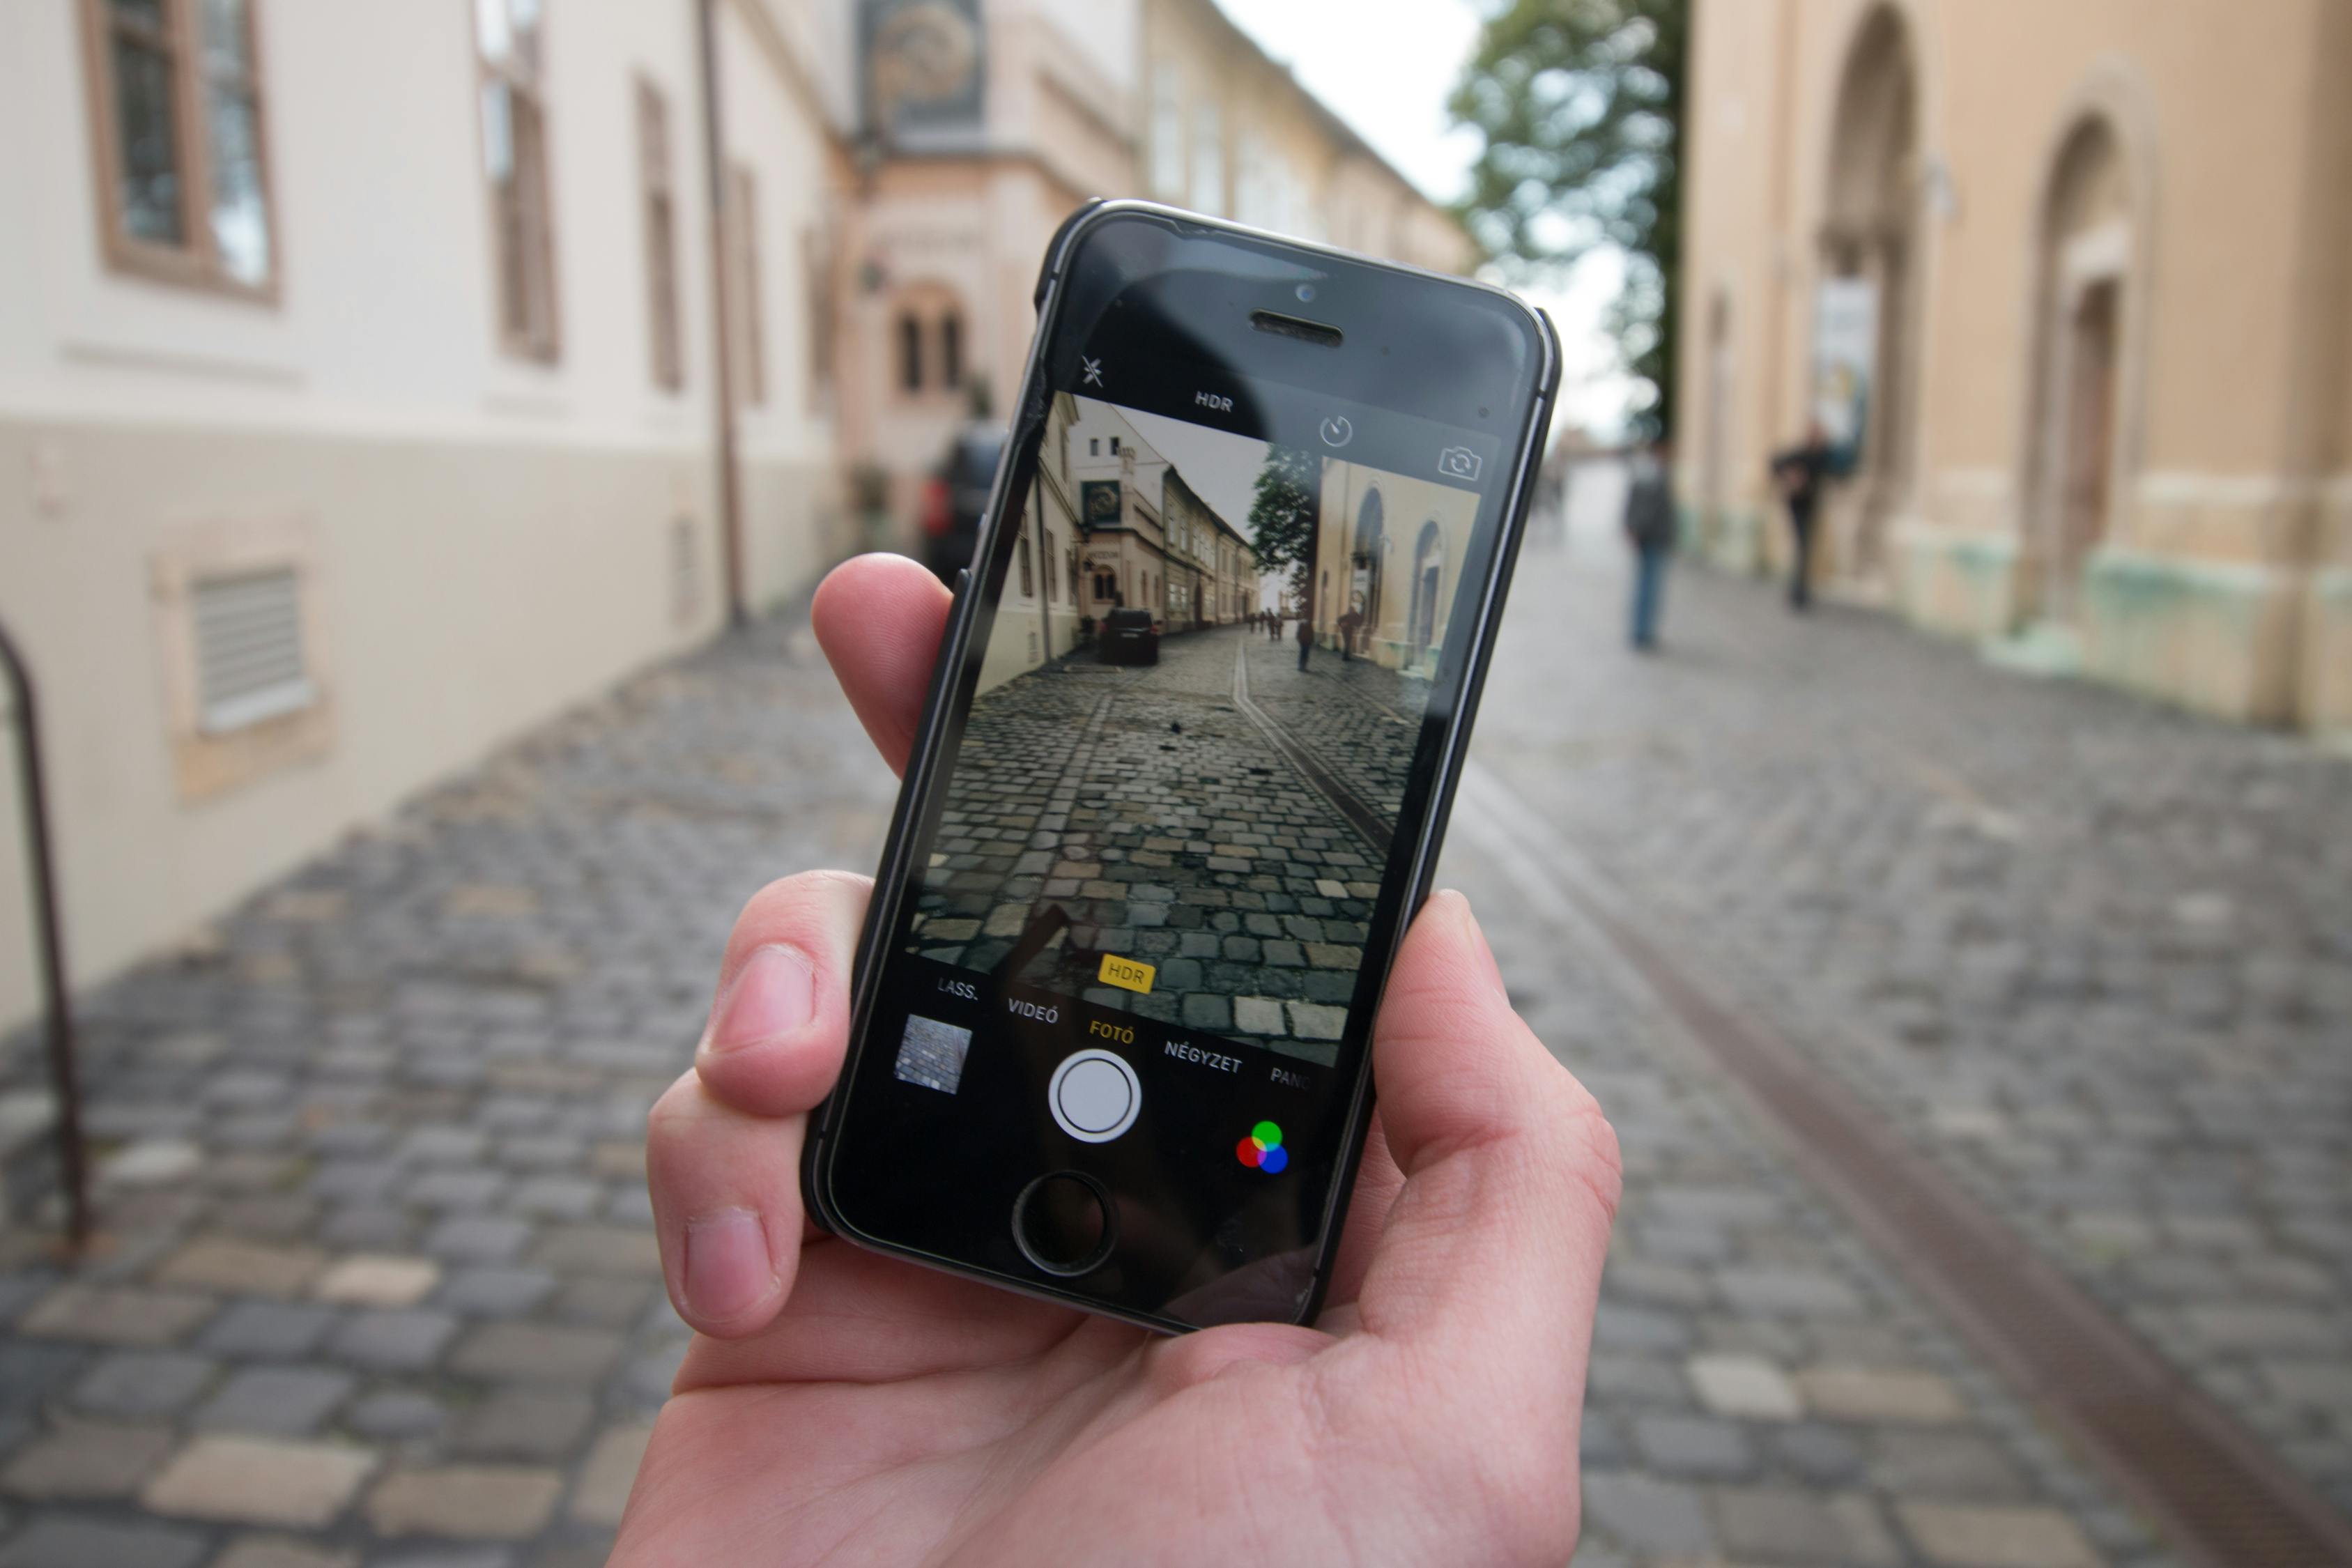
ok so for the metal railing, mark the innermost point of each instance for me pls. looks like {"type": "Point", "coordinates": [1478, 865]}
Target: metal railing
{"type": "Point", "coordinates": [73, 1162]}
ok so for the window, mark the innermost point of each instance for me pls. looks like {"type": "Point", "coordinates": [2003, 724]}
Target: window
{"type": "Point", "coordinates": [1208, 161]}
{"type": "Point", "coordinates": [507, 35]}
{"type": "Point", "coordinates": [660, 199]}
{"type": "Point", "coordinates": [1106, 586]}
{"type": "Point", "coordinates": [184, 182]}
{"type": "Point", "coordinates": [1028, 574]}
{"type": "Point", "coordinates": [950, 349]}
{"type": "Point", "coordinates": [1094, 446]}
{"type": "Point", "coordinates": [750, 341]}
{"type": "Point", "coordinates": [1167, 133]}
{"type": "Point", "coordinates": [1114, 446]}
{"type": "Point", "coordinates": [1047, 560]}
{"type": "Point", "coordinates": [910, 353]}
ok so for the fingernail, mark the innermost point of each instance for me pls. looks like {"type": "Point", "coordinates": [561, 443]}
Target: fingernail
{"type": "Point", "coordinates": [726, 1266]}
{"type": "Point", "coordinates": [773, 994]}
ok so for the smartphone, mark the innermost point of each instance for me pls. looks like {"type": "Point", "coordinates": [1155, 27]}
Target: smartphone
{"type": "Point", "coordinates": [1183, 771]}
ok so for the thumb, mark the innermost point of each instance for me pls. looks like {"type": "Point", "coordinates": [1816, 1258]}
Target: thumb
{"type": "Point", "coordinates": [1511, 1171]}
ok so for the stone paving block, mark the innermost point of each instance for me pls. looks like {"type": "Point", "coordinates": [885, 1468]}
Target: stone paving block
{"type": "Point", "coordinates": [376, 1279]}
{"type": "Point", "coordinates": [232, 1265]}
{"type": "Point", "coordinates": [1872, 1393]}
{"type": "Point", "coordinates": [1649, 1515]}
{"type": "Point", "coordinates": [396, 1413]}
{"type": "Point", "coordinates": [519, 1422]}
{"type": "Point", "coordinates": [117, 1314]}
{"type": "Point", "coordinates": [260, 1480]}
{"type": "Point", "coordinates": [268, 1331]}
{"type": "Point", "coordinates": [1776, 1524]}
{"type": "Point", "coordinates": [477, 1239]}
{"type": "Point", "coordinates": [70, 1541]}
{"type": "Point", "coordinates": [86, 1460]}
{"type": "Point", "coordinates": [598, 1249]}
{"type": "Point", "coordinates": [603, 1302]}
{"type": "Point", "coordinates": [1788, 1291]}
{"type": "Point", "coordinates": [601, 1490]}
{"type": "Point", "coordinates": [495, 1291]}
{"type": "Point", "coordinates": [1746, 1387]}
{"type": "Point", "coordinates": [1956, 1535]}
{"type": "Point", "coordinates": [491, 1503]}
{"type": "Point", "coordinates": [1824, 1456]}
{"type": "Point", "coordinates": [143, 1382]}
{"type": "Point", "coordinates": [535, 1352]}
{"type": "Point", "coordinates": [406, 1339]}
{"type": "Point", "coordinates": [280, 1401]}
{"type": "Point", "coordinates": [149, 1162]}
{"type": "Point", "coordinates": [1944, 1465]}
{"type": "Point", "coordinates": [283, 1552]}
{"type": "Point", "coordinates": [1693, 1446]}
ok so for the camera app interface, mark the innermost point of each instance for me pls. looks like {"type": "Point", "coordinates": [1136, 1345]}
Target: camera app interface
{"type": "Point", "coordinates": [1127, 988]}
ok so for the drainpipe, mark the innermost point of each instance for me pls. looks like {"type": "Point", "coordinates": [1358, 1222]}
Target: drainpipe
{"type": "Point", "coordinates": [722, 314]}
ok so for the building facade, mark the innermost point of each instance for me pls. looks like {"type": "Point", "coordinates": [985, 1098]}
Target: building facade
{"type": "Point", "coordinates": [1388, 559]}
{"type": "Point", "coordinates": [359, 394]}
{"type": "Point", "coordinates": [2064, 284]}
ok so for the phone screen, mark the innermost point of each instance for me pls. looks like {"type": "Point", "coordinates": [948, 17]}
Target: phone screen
{"type": "Point", "coordinates": [1116, 1039]}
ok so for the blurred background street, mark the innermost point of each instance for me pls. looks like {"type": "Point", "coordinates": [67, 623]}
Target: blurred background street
{"type": "Point", "coordinates": [421, 430]}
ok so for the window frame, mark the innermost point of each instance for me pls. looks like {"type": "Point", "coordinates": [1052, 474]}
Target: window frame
{"type": "Point", "coordinates": [196, 262]}
{"type": "Point", "coordinates": [545, 345]}
{"type": "Point", "coordinates": [658, 211]}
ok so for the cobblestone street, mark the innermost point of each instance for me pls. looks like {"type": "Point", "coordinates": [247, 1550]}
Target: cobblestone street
{"type": "Point", "coordinates": [379, 1284]}
{"type": "Point", "coordinates": [1150, 805]}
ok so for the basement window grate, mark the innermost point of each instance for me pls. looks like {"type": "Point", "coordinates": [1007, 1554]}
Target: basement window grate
{"type": "Point", "coordinates": [249, 663]}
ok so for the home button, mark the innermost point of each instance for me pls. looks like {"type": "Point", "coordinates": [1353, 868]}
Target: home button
{"type": "Point", "coordinates": [1065, 1223]}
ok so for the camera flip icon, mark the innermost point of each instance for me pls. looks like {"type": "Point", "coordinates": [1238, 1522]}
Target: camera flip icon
{"type": "Point", "coordinates": [1458, 463]}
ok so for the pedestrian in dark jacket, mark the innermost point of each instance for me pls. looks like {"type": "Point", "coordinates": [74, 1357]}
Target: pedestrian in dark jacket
{"type": "Point", "coordinates": [1650, 526]}
{"type": "Point", "coordinates": [1305, 639]}
{"type": "Point", "coordinates": [1798, 471]}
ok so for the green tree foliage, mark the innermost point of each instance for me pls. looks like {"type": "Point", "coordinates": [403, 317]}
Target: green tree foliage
{"type": "Point", "coordinates": [1581, 104]}
{"type": "Point", "coordinates": [1283, 510]}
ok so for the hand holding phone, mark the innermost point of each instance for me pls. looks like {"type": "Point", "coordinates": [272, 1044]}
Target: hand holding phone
{"type": "Point", "coordinates": [845, 1405]}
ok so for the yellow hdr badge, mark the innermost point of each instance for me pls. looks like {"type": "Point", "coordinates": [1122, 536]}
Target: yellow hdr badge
{"type": "Point", "coordinates": [1127, 973]}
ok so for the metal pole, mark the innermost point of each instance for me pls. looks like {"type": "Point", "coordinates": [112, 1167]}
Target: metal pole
{"type": "Point", "coordinates": [73, 1163]}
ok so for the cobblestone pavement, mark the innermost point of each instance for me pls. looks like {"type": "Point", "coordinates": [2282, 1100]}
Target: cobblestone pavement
{"type": "Point", "coordinates": [1150, 809]}
{"type": "Point", "coordinates": [381, 1288]}
{"type": "Point", "coordinates": [2093, 957]}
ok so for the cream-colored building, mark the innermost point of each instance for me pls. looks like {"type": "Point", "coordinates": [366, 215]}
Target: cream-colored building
{"type": "Point", "coordinates": [379, 420]}
{"type": "Point", "coordinates": [986, 123]}
{"type": "Point", "coordinates": [2075, 273]}
{"type": "Point", "coordinates": [1388, 560]}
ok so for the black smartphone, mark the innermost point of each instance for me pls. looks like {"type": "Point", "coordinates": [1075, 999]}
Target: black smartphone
{"type": "Point", "coordinates": [1183, 771]}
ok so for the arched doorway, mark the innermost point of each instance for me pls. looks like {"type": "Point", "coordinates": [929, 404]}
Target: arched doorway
{"type": "Point", "coordinates": [2085, 262]}
{"type": "Point", "coordinates": [1869, 251]}
{"type": "Point", "coordinates": [1428, 579]}
{"type": "Point", "coordinates": [1364, 559]}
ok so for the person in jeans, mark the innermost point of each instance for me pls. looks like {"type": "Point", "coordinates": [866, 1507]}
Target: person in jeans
{"type": "Point", "coordinates": [1650, 529]}
{"type": "Point", "coordinates": [1798, 472]}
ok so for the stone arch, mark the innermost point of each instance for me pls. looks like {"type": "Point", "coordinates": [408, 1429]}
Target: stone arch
{"type": "Point", "coordinates": [1873, 229]}
{"type": "Point", "coordinates": [1365, 560]}
{"type": "Point", "coordinates": [2085, 339]}
{"type": "Point", "coordinates": [1423, 626]}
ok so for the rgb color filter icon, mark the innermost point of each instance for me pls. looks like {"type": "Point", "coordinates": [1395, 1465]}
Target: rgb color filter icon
{"type": "Point", "coordinates": [1263, 1150]}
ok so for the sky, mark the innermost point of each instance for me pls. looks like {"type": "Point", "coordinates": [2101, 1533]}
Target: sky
{"type": "Point", "coordinates": [1386, 67]}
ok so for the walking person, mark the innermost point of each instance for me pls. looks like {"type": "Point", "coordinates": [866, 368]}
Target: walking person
{"type": "Point", "coordinates": [1798, 472]}
{"type": "Point", "coordinates": [1348, 623]}
{"type": "Point", "coordinates": [1305, 639]}
{"type": "Point", "coordinates": [1650, 529]}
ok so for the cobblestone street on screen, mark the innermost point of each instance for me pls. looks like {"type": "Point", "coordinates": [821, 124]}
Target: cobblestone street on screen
{"type": "Point", "coordinates": [1153, 807]}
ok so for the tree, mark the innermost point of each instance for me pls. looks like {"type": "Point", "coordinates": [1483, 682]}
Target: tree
{"type": "Point", "coordinates": [1284, 511]}
{"type": "Point", "coordinates": [1580, 104]}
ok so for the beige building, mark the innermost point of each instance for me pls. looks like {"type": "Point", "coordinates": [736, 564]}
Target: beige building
{"type": "Point", "coordinates": [986, 123]}
{"type": "Point", "coordinates": [2071, 276]}
{"type": "Point", "coordinates": [379, 420]}
{"type": "Point", "coordinates": [1388, 558]}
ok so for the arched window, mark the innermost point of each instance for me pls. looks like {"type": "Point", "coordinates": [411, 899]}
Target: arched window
{"type": "Point", "coordinates": [1428, 582]}
{"type": "Point", "coordinates": [910, 352]}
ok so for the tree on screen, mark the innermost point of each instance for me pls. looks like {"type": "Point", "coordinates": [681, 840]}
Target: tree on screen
{"type": "Point", "coordinates": [1581, 105]}
{"type": "Point", "coordinates": [1283, 510]}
